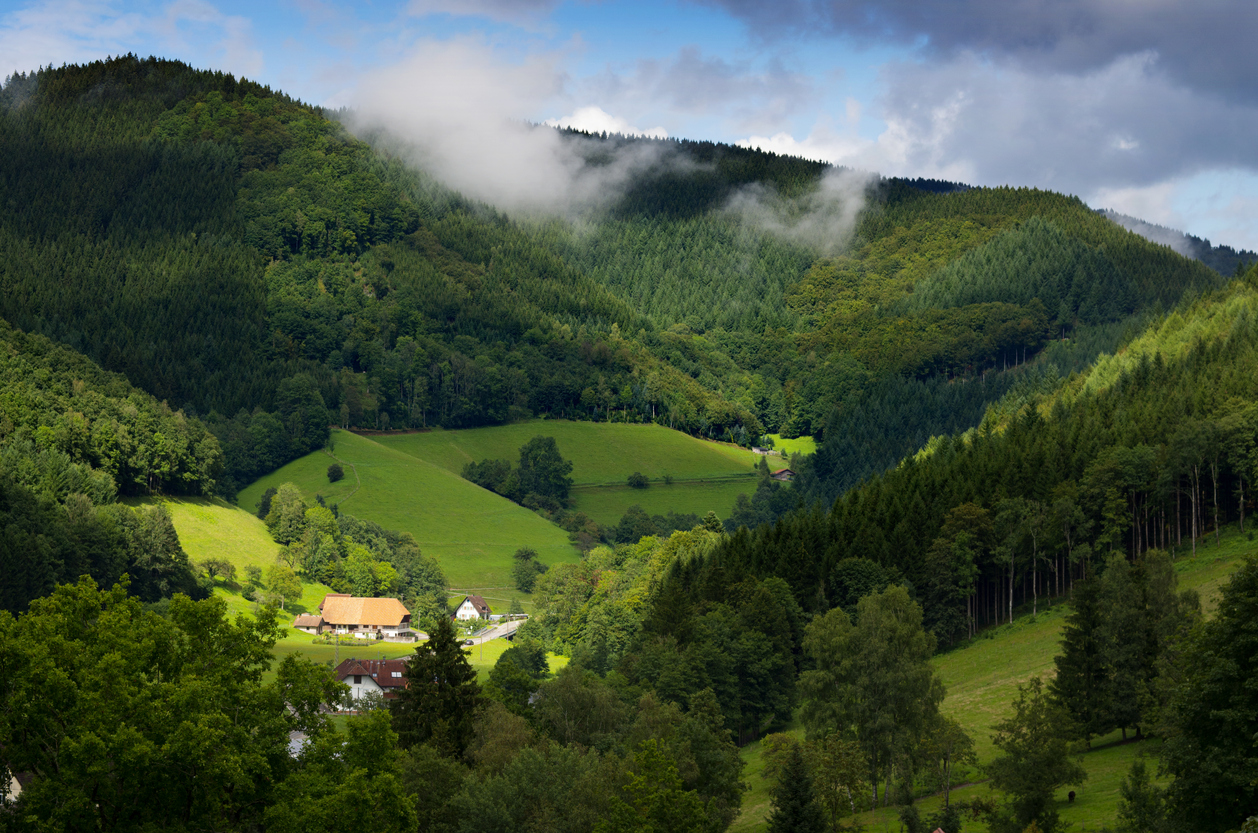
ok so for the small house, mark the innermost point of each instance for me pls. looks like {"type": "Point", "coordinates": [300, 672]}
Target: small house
{"type": "Point", "coordinates": [309, 623]}
{"type": "Point", "coordinates": [472, 607]}
{"type": "Point", "coordinates": [365, 676]}
{"type": "Point", "coordinates": [783, 475]}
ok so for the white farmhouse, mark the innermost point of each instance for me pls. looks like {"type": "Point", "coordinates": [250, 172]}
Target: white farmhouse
{"type": "Point", "coordinates": [364, 676]}
{"type": "Point", "coordinates": [472, 607]}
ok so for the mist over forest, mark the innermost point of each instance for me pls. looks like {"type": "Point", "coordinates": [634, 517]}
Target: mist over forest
{"type": "Point", "coordinates": [991, 414]}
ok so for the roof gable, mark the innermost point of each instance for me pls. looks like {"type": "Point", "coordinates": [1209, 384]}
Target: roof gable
{"type": "Point", "coordinates": [358, 610]}
{"type": "Point", "coordinates": [387, 673]}
{"type": "Point", "coordinates": [478, 602]}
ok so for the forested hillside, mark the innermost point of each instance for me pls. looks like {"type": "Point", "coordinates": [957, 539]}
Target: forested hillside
{"type": "Point", "coordinates": [72, 439]}
{"type": "Point", "coordinates": [1153, 448]}
{"type": "Point", "coordinates": [237, 253]}
{"type": "Point", "coordinates": [242, 256]}
{"type": "Point", "coordinates": [1014, 398]}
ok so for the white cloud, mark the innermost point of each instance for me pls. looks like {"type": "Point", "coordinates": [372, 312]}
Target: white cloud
{"type": "Point", "coordinates": [519, 12]}
{"type": "Point", "coordinates": [464, 110]}
{"type": "Point", "coordinates": [1124, 126]}
{"type": "Point", "coordinates": [823, 219]}
{"type": "Point", "coordinates": [54, 32]}
{"type": "Point", "coordinates": [691, 85]}
{"type": "Point", "coordinates": [594, 119]}
{"type": "Point", "coordinates": [1154, 203]}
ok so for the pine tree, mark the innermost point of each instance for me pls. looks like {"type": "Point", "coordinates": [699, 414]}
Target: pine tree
{"type": "Point", "coordinates": [795, 806]}
{"type": "Point", "coordinates": [439, 702]}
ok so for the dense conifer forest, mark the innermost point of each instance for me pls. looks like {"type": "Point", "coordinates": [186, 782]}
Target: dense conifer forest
{"type": "Point", "coordinates": [1015, 399]}
{"type": "Point", "coordinates": [243, 257]}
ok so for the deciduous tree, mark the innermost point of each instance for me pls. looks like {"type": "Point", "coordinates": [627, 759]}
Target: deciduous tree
{"type": "Point", "coordinates": [874, 676]}
{"type": "Point", "coordinates": [1034, 762]}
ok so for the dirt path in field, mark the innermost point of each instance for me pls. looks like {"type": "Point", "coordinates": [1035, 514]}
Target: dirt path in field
{"type": "Point", "coordinates": [357, 480]}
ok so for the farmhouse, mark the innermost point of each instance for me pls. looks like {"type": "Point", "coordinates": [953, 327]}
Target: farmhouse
{"type": "Point", "coordinates": [365, 618]}
{"type": "Point", "coordinates": [472, 607]}
{"type": "Point", "coordinates": [784, 475]}
{"type": "Point", "coordinates": [364, 676]}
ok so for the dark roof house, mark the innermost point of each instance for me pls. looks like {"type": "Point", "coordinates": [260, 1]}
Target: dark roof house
{"type": "Point", "coordinates": [364, 676]}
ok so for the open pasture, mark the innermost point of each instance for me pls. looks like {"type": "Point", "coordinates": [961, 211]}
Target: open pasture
{"type": "Point", "coordinates": [706, 476]}
{"type": "Point", "coordinates": [606, 504]}
{"type": "Point", "coordinates": [470, 531]}
{"type": "Point", "coordinates": [602, 453]}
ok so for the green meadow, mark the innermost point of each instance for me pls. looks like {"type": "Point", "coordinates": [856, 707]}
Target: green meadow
{"type": "Point", "coordinates": [981, 679]}
{"type": "Point", "coordinates": [217, 529]}
{"type": "Point", "coordinates": [799, 445]}
{"type": "Point", "coordinates": [706, 476]}
{"type": "Point", "coordinates": [602, 453]}
{"type": "Point", "coordinates": [607, 504]}
{"type": "Point", "coordinates": [470, 531]}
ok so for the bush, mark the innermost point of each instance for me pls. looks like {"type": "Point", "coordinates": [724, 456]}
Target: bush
{"type": "Point", "coordinates": [638, 480]}
{"type": "Point", "coordinates": [335, 472]}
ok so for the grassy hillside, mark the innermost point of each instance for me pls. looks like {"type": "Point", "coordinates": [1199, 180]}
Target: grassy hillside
{"type": "Point", "coordinates": [601, 453]}
{"type": "Point", "coordinates": [606, 504]}
{"type": "Point", "coordinates": [706, 475]}
{"type": "Point", "coordinates": [799, 445]}
{"type": "Point", "coordinates": [982, 679]}
{"type": "Point", "coordinates": [215, 529]}
{"type": "Point", "coordinates": [470, 531]}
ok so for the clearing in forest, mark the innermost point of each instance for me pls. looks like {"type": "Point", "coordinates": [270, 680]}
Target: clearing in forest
{"type": "Point", "coordinates": [705, 476]}
{"type": "Point", "coordinates": [471, 532]}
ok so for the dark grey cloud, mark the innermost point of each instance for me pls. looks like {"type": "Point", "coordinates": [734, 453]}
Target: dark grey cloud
{"type": "Point", "coordinates": [1206, 46]}
{"type": "Point", "coordinates": [1124, 125]}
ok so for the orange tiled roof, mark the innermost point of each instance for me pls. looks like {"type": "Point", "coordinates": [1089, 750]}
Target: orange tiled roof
{"type": "Point", "coordinates": [357, 610]}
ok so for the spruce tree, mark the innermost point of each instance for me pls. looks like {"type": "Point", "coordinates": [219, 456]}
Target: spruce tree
{"type": "Point", "coordinates": [1081, 683]}
{"type": "Point", "coordinates": [795, 806]}
{"type": "Point", "coordinates": [441, 696]}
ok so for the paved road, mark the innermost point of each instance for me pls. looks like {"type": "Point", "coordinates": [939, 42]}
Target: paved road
{"type": "Point", "coordinates": [503, 629]}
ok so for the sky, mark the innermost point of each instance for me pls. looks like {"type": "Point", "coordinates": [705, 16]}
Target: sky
{"type": "Point", "coordinates": [1146, 107]}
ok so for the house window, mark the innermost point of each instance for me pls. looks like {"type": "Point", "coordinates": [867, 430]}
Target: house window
{"type": "Point", "coordinates": [397, 673]}
{"type": "Point", "coordinates": [358, 679]}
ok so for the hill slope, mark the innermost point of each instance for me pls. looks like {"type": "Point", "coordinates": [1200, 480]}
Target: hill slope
{"type": "Point", "coordinates": [471, 532]}
{"type": "Point", "coordinates": [702, 476]}
{"type": "Point", "coordinates": [234, 250]}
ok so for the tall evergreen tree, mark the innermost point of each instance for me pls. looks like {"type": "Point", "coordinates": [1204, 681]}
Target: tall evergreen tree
{"type": "Point", "coordinates": [439, 703]}
{"type": "Point", "coordinates": [795, 806]}
{"type": "Point", "coordinates": [1080, 686]}
{"type": "Point", "coordinates": [1123, 645]}
{"type": "Point", "coordinates": [1212, 718]}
